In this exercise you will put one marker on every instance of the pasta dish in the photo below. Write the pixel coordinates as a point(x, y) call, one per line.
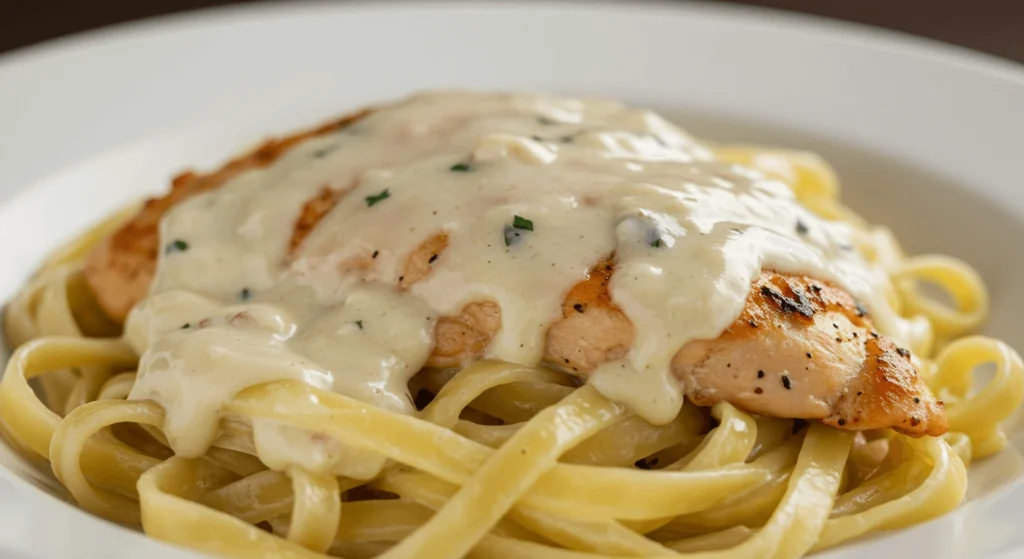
point(504, 326)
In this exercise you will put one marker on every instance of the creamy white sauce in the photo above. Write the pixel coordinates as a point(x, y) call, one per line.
point(689, 233)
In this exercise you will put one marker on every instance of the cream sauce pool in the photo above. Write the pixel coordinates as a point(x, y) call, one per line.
point(530, 191)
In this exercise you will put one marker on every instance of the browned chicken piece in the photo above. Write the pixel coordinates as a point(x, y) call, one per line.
point(592, 329)
point(804, 349)
point(121, 268)
point(800, 348)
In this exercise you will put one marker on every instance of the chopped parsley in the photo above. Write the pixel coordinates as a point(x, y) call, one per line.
point(371, 200)
point(522, 223)
point(186, 326)
point(656, 243)
point(359, 323)
point(461, 168)
point(245, 294)
point(176, 245)
point(545, 120)
point(321, 153)
point(512, 232)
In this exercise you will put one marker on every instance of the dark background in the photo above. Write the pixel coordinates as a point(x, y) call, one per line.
point(993, 26)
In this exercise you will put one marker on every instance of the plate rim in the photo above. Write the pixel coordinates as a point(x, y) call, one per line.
point(817, 28)
point(864, 35)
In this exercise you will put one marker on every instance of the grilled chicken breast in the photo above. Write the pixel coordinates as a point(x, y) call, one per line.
point(801, 348)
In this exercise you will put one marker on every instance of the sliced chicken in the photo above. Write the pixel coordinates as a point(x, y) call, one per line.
point(799, 349)
point(804, 349)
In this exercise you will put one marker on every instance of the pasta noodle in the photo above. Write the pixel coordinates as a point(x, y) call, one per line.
point(506, 460)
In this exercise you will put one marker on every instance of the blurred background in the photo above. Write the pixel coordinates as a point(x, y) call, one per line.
point(992, 26)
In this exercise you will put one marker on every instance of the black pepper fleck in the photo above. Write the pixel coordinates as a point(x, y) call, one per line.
point(801, 227)
point(376, 253)
point(841, 422)
point(917, 400)
point(760, 374)
point(785, 382)
point(752, 324)
point(902, 352)
point(758, 390)
point(809, 355)
point(578, 307)
point(432, 259)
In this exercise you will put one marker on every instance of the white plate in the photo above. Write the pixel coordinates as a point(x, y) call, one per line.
point(926, 138)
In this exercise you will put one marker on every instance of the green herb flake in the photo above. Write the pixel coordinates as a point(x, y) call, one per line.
point(245, 294)
point(461, 168)
point(545, 120)
point(371, 200)
point(522, 223)
point(656, 243)
point(359, 323)
point(176, 245)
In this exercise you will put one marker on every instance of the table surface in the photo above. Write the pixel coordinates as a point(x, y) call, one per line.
point(993, 26)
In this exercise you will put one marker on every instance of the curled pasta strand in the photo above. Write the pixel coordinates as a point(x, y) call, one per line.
point(471, 382)
point(979, 415)
point(941, 492)
point(70, 439)
point(117, 387)
point(729, 443)
point(316, 510)
point(168, 495)
point(964, 286)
